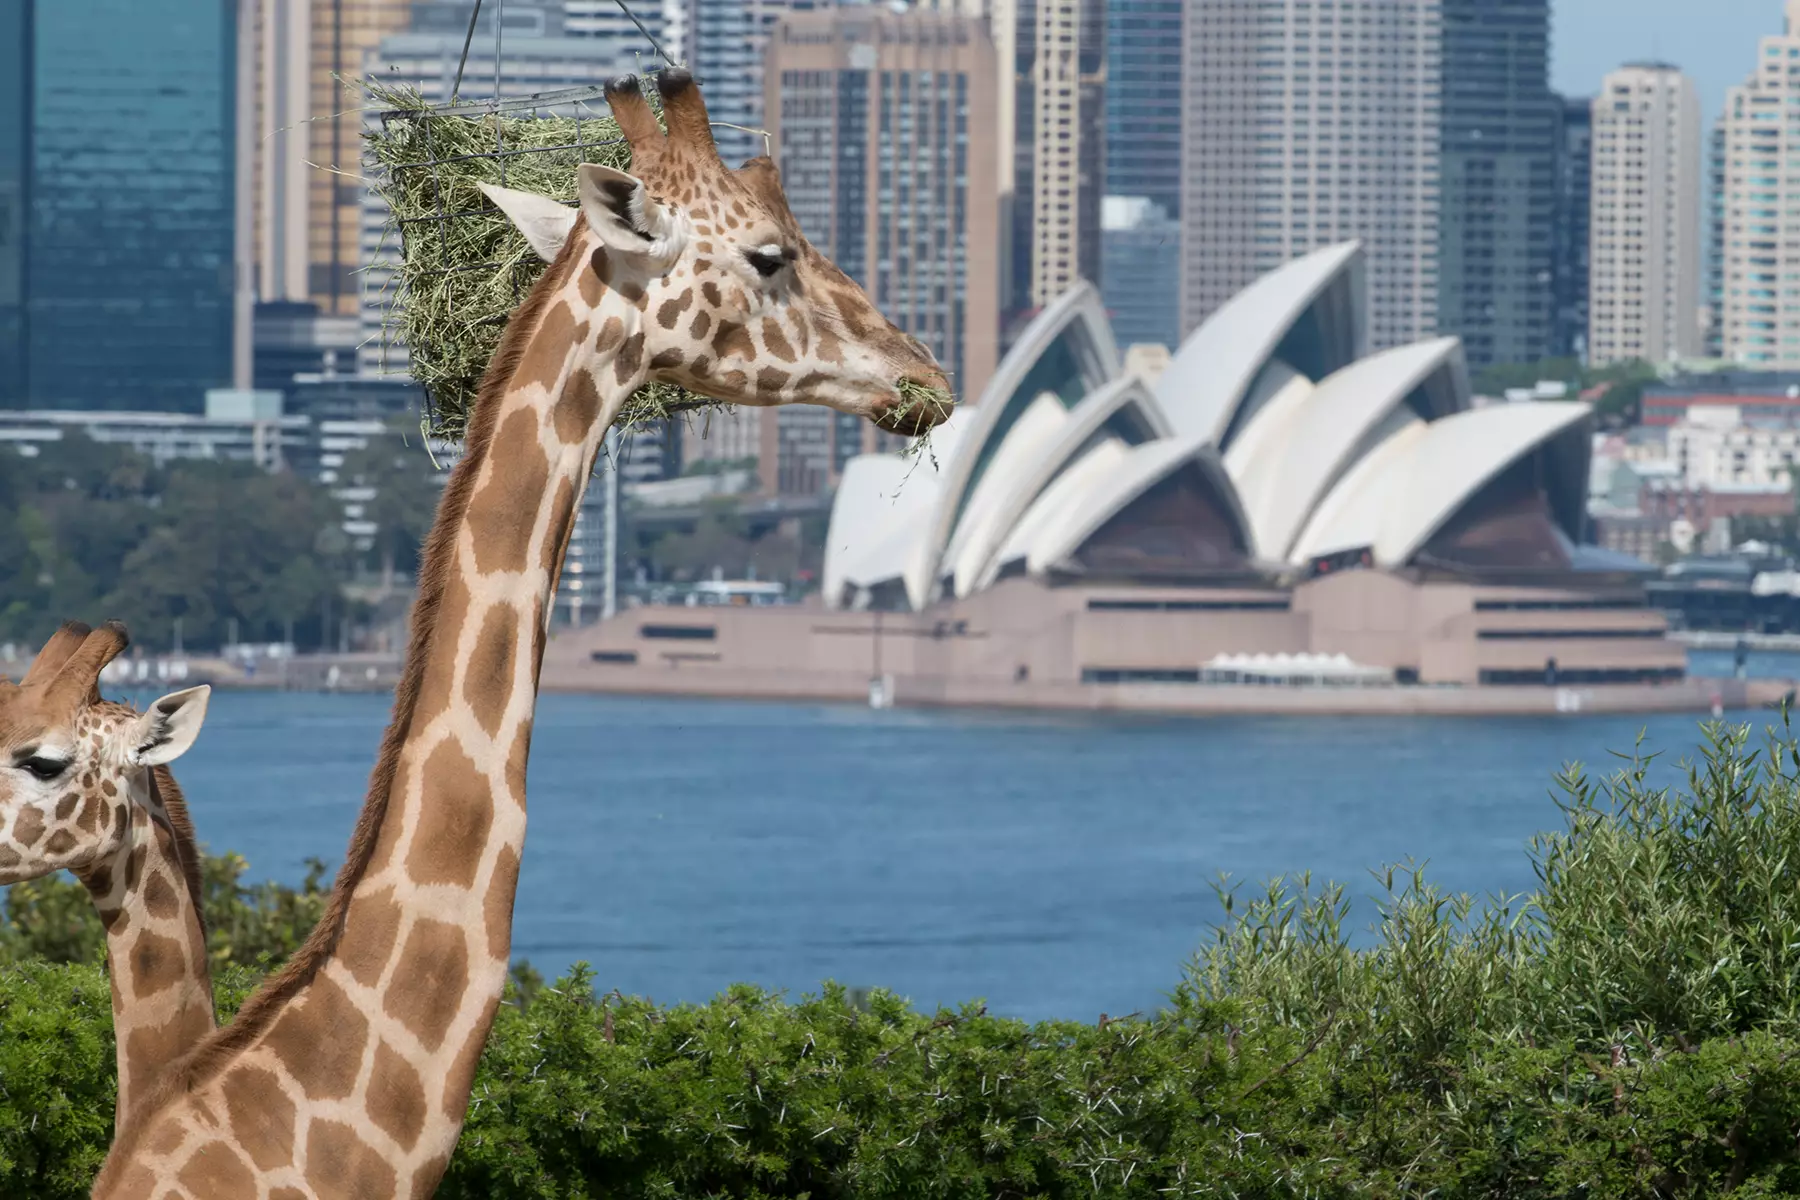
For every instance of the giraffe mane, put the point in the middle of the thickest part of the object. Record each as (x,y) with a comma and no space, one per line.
(187,847)
(259,1012)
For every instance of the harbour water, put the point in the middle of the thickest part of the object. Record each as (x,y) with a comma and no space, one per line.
(1052,866)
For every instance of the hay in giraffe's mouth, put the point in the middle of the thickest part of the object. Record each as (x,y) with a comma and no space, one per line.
(459,266)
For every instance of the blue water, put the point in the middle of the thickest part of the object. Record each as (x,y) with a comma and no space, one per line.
(1052,866)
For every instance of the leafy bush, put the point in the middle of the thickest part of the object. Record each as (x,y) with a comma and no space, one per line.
(1629,1030)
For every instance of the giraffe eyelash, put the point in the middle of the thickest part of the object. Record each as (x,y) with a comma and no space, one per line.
(766,260)
(45,769)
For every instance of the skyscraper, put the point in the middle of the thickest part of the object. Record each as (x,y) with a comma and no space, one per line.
(725,41)
(118,202)
(343,33)
(1759,189)
(1569,236)
(1143,101)
(883,128)
(1140,248)
(1057,49)
(1497,179)
(1644,276)
(1306,123)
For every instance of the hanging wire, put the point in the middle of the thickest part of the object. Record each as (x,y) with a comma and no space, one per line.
(632,17)
(468,37)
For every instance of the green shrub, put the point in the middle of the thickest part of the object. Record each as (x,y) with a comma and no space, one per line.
(1628,1030)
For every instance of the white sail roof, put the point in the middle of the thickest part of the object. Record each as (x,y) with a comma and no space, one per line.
(1212,371)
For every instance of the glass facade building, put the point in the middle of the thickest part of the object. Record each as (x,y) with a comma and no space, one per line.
(1140,269)
(1497,179)
(1574,198)
(117,166)
(1143,102)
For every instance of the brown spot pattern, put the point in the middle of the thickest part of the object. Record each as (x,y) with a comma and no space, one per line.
(426,1001)
(548,348)
(156,964)
(456,813)
(61,842)
(665,359)
(370,928)
(776,341)
(668,313)
(339,1163)
(486,678)
(461,1075)
(578,407)
(261,1117)
(518,475)
(600,265)
(631,357)
(65,808)
(320,1041)
(733,340)
(591,287)
(771,379)
(611,334)
(702,323)
(28,826)
(217,1170)
(497,905)
(159,897)
(710,290)
(89,819)
(396,1098)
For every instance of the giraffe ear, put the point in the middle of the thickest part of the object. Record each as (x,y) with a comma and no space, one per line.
(164,733)
(629,220)
(544,222)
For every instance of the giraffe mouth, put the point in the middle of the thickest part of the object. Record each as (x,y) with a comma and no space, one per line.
(920,404)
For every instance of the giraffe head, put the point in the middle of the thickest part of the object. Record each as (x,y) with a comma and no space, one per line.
(72,764)
(735,303)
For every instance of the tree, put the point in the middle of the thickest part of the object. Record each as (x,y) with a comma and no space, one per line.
(406,487)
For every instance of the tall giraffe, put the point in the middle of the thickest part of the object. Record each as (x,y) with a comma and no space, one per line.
(348,1074)
(85,785)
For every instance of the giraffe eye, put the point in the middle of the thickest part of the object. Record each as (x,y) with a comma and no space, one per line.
(45,768)
(767,259)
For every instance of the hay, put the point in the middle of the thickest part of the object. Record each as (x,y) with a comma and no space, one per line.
(463,267)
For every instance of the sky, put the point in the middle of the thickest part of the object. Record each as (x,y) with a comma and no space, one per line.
(1712,40)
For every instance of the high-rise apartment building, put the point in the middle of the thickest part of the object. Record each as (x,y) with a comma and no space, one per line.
(1713,289)
(725,42)
(1058,52)
(883,127)
(343,34)
(1644,274)
(1307,123)
(1758,249)
(1569,237)
(118,203)
(1496,179)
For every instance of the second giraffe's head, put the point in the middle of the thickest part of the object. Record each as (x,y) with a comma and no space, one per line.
(72,765)
(716,288)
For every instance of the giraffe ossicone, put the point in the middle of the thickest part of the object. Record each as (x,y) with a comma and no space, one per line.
(84,786)
(349,1072)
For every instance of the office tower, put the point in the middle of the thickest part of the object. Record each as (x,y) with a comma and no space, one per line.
(1058,52)
(883,128)
(1496,179)
(1713,323)
(1644,277)
(661,19)
(1143,102)
(1307,123)
(725,41)
(343,34)
(118,203)
(1759,190)
(1569,230)
(1140,262)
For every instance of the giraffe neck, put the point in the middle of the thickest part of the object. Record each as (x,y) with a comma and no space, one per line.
(352,1068)
(147,895)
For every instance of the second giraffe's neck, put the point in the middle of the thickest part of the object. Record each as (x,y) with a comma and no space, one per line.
(147,898)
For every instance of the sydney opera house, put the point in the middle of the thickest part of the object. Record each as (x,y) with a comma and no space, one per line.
(1281,519)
